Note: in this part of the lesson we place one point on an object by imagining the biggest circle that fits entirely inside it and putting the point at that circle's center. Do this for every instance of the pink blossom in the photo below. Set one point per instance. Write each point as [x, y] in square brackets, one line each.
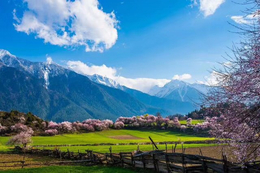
[189, 122]
[88, 127]
[51, 132]
[23, 138]
[183, 128]
[65, 126]
[19, 127]
[119, 125]
[53, 125]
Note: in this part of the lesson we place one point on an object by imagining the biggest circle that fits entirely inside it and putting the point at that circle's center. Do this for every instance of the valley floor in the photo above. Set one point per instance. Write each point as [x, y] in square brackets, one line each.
[118, 140]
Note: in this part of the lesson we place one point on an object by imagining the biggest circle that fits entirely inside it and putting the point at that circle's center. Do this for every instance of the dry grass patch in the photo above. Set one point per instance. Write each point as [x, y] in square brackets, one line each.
[29, 159]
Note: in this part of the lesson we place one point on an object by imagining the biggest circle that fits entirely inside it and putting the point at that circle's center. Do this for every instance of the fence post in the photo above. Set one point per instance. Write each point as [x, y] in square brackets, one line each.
[60, 155]
[68, 151]
[111, 156]
[132, 159]
[175, 147]
[165, 147]
[156, 169]
[167, 163]
[225, 165]
[143, 160]
[121, 159]
[23, 164]
[203, 163]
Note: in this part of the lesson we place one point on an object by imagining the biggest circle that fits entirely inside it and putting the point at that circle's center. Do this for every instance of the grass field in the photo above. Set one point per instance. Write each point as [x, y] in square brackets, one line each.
[194, 122]
[70, 169]
[125, 148]
[113, 136]
[4, 148]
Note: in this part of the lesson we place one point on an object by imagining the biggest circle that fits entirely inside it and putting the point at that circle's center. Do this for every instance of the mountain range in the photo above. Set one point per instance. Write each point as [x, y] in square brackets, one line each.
[56, 93]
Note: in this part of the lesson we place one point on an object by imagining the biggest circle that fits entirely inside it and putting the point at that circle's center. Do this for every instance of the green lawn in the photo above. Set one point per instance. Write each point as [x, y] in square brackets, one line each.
[70, 169]
[105, 137]
[194, 122]
[4, 148]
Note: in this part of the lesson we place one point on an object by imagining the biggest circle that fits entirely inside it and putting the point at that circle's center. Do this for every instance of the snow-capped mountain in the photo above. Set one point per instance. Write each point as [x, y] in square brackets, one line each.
[180, 90]
[55, 93]
[171, 86]
[204, 89]
[40, 70]
[105, 81]
[174, 90]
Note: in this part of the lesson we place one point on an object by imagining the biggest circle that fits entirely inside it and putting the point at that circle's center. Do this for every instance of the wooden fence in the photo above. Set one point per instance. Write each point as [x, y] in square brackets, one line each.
[157, 161]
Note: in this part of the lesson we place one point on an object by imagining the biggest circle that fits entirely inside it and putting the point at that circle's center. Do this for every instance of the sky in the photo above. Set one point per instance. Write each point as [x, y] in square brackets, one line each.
[138, 43]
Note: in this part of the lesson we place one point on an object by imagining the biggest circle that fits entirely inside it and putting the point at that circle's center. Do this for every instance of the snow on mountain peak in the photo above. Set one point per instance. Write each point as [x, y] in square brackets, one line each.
[49, 60]
[4, 53]
[104, 81]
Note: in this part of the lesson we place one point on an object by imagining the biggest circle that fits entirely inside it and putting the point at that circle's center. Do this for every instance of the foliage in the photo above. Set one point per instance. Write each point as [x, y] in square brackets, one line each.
[239, 90]
[51, 128]
[23, 138]
[119, 125]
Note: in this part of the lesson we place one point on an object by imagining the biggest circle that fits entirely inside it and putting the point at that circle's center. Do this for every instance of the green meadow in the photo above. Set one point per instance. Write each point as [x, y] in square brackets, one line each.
[125, 148]
[194, 122]
[115, 137]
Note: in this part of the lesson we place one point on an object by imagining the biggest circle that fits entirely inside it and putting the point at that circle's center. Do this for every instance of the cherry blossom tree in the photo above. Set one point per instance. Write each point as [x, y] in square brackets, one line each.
[239, 90]
[119, 125]
[22, 139]
[189, 122]
[51, 132]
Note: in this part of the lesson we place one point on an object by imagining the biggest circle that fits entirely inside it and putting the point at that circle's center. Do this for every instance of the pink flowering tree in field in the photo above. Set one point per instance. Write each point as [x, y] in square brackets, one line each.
[88, 127]
[239, 91]
[108, 123]
[119, 125]
[22, 139]
[53, 125]
[66, 127]
[19, 127]
[189, 122]
[51, 132]
[183, 128]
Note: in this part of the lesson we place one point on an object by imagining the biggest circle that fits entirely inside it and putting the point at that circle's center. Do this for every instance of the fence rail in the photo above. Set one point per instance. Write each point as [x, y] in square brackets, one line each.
[157, 161]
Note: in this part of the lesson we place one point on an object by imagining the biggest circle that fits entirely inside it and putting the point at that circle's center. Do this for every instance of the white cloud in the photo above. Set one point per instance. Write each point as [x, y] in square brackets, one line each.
[248, 19]
[213, 80]
[141, 84]
[69, 23]
[182, 77]
[207, 7]
[82, 68]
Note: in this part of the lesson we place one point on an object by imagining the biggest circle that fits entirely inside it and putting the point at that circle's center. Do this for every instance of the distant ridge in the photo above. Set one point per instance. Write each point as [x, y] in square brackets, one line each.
[53, 92]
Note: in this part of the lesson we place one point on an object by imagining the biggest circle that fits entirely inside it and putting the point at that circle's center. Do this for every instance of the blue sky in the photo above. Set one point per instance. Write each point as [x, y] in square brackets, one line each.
[145, 42]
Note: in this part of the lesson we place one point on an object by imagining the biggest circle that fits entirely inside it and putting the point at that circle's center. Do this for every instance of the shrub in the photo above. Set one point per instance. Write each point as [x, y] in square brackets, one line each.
[119, 125]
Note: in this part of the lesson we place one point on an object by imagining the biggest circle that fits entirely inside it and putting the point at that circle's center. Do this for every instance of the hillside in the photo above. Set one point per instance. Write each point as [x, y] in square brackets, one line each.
[55, 93]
